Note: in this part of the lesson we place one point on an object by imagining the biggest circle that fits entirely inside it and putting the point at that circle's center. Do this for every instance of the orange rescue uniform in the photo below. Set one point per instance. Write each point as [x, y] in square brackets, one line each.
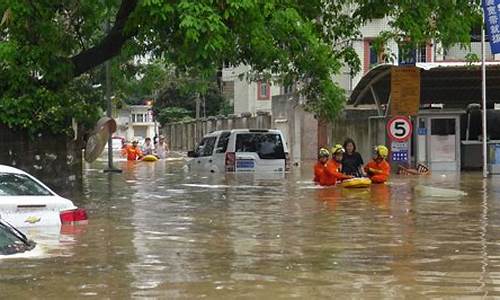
[383, 168]
[319, 170]
[132, 153]
[332, 173]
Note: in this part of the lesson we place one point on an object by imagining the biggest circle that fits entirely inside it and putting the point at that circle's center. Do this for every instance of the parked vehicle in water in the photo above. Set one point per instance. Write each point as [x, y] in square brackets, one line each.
[13, 241]
[26, 202]
[241, 150]
[117, 143]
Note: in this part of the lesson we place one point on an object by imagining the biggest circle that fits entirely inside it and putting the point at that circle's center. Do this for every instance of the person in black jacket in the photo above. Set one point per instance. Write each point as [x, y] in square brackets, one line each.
[352, 163]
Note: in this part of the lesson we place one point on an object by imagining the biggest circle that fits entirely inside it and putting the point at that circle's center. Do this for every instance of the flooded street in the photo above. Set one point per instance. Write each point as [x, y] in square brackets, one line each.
[157, 230]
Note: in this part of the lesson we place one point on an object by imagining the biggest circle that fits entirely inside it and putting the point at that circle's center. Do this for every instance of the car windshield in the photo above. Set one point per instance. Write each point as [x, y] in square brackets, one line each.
[12, 242]
[266, 145]
[12, 184]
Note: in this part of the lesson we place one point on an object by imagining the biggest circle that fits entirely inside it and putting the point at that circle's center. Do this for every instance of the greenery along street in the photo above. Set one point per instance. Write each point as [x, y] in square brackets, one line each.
[50, 51]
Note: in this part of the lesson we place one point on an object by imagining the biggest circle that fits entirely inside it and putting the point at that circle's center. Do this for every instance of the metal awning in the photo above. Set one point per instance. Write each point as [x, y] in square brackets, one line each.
[454, 84]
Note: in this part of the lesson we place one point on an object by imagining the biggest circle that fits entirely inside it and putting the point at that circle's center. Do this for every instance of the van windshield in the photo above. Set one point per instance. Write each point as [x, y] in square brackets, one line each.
[266, 145]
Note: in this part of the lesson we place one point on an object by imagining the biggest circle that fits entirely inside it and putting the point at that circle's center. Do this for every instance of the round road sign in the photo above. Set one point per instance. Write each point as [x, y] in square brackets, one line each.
[399, 129]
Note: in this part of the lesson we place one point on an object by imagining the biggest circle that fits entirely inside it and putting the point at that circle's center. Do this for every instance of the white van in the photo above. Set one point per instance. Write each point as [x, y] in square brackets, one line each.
[241, 150]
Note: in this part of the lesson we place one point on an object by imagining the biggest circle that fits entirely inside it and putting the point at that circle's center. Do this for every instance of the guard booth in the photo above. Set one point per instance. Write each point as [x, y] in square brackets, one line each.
[437, 139]
[441, 137]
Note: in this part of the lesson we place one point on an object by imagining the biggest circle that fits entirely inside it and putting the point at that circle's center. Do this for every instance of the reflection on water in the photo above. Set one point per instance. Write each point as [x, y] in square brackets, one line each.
[157, 230]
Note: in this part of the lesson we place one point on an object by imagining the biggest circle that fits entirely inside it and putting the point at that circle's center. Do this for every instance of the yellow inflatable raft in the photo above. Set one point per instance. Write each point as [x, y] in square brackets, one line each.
[150, 158]
[357, 183]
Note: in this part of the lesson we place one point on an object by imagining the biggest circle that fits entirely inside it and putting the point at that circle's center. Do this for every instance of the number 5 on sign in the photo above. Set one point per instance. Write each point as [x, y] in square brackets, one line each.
[399, 129]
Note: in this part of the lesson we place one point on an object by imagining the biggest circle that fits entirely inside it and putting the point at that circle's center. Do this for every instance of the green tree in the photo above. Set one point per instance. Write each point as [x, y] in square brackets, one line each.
[49, 49]
[179, 95]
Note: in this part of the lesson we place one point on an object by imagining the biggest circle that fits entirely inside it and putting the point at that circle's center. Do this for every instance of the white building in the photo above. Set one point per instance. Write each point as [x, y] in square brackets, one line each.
[302, 130]
[256, 96]
[135, 122]
[247, 96]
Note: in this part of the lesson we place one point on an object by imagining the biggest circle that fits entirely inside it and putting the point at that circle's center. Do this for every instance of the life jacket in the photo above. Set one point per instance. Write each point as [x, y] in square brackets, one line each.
[382, 166]
[332, 173]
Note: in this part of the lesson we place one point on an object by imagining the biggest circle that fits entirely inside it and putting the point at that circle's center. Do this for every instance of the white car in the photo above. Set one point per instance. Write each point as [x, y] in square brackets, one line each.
[241, 150]
[27, 202]
[117, 144]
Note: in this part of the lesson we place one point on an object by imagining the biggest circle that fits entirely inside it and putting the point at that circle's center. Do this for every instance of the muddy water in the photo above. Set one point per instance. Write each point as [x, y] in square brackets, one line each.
[157, 231]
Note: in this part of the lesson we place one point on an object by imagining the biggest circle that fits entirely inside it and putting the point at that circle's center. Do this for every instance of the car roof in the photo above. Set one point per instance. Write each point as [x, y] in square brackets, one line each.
[9, 169]
[256, 130]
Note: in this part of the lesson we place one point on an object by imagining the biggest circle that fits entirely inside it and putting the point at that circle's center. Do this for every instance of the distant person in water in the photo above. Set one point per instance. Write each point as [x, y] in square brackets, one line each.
[352, 162]
[161, 148]
[147, 148]
[132, 152]
[378, 169]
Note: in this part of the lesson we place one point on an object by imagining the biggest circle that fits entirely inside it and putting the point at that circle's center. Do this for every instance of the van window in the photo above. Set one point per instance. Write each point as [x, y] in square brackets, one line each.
[206, 146]
[223, 141]
[266, 145]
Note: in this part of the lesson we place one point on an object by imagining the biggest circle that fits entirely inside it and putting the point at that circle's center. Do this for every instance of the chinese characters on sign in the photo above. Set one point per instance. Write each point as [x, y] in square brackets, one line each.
[401, 156]
[492, 18]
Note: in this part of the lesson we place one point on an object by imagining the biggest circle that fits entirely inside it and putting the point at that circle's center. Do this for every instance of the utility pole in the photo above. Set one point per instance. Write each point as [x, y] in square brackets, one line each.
[204, 106]
[109, 114]
[483, 88]
[198, 103]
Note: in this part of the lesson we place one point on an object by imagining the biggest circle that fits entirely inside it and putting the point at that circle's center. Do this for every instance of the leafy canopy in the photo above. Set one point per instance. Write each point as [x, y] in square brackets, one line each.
[49, 50]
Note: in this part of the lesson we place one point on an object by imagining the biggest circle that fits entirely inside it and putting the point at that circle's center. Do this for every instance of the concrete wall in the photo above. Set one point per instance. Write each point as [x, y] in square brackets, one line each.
[360, 125]
[183, 136]
[54, 159]
[298, 126]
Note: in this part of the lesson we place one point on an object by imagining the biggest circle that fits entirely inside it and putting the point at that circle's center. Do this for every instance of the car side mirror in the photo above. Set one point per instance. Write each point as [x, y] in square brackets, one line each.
[219, 150]
[192, 154]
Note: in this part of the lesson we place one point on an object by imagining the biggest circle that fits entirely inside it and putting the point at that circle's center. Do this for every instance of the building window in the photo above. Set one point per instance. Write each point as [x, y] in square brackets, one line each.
[140, 118]
[373, 54]
[263, 90]
[371, 57]
[412, 56]
[287, 89]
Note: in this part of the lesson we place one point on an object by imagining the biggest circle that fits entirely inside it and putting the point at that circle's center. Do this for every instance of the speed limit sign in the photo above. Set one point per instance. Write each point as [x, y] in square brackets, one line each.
[399, 129]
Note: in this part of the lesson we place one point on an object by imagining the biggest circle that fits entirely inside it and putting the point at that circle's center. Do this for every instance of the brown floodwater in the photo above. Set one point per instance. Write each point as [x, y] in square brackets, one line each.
[158, 231]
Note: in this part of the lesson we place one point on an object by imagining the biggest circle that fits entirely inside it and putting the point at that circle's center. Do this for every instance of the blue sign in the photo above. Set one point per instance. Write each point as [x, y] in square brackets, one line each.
[492, 17]
[422, 131]
[399, 156]
[245, 164]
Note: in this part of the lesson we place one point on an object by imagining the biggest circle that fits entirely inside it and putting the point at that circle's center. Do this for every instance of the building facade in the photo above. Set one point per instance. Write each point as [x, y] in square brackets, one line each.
[135, 122]
[245, 95]
[254, 96]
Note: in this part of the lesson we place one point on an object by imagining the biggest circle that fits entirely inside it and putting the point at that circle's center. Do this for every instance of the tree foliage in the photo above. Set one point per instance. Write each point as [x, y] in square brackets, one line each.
[49, 50]
[179, 96]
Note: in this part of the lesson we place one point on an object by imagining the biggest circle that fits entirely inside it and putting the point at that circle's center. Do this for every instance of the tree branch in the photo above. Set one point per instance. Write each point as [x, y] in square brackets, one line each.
[110, 46]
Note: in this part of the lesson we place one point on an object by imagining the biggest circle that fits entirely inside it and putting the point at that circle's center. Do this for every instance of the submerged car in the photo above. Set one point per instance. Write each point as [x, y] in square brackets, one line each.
[25, 202]
[241, 150]
[13, 241]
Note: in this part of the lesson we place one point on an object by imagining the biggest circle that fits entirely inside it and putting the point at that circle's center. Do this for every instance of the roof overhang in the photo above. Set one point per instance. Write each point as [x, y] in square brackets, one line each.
[454, 84]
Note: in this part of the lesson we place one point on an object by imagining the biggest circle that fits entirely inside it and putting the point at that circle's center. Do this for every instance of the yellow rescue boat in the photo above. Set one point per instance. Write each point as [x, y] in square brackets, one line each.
[357, 183]
[150, 158]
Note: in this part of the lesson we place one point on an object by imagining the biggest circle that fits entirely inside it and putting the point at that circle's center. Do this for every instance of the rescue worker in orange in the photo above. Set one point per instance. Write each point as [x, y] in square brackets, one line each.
[319, 167]
[332, 172]
[132, 152]
[378, 169]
